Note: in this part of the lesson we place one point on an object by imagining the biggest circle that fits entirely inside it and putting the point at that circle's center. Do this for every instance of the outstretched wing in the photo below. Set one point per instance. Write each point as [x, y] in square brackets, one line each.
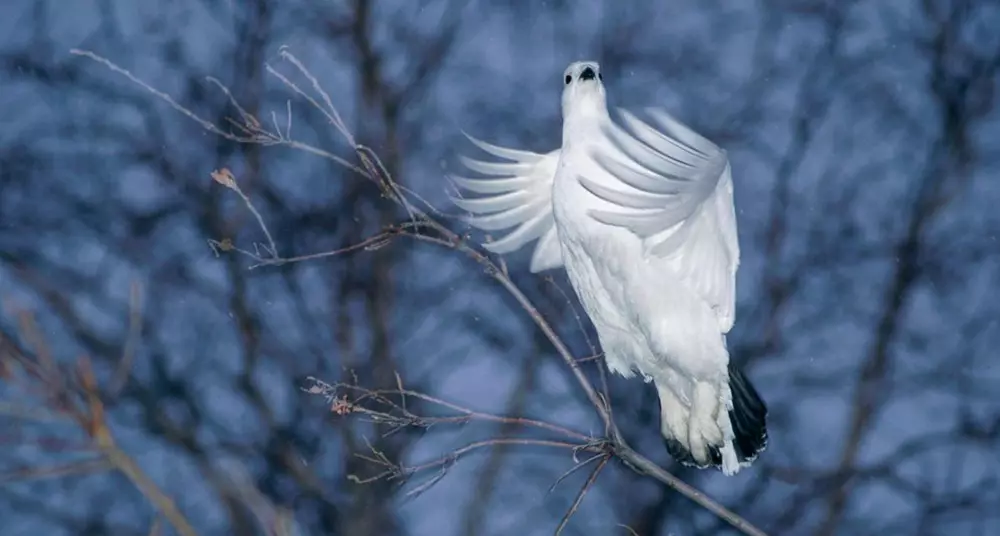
[673, 188]
[517, 193]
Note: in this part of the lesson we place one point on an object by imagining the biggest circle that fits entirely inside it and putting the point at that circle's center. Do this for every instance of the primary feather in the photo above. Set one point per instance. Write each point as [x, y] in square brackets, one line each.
[520, 197]
[641, 215]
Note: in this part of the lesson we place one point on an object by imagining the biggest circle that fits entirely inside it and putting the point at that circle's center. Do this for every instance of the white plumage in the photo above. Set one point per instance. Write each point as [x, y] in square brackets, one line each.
[641, 215]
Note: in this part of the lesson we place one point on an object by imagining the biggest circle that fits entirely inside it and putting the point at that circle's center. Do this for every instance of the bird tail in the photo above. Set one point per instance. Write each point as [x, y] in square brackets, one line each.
[748, 419]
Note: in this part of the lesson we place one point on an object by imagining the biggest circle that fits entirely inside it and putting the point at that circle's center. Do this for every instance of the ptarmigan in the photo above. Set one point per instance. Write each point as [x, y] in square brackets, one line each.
[641, 215]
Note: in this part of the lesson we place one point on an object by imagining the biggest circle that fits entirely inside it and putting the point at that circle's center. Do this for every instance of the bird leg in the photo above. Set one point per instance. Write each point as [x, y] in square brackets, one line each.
[703, 430]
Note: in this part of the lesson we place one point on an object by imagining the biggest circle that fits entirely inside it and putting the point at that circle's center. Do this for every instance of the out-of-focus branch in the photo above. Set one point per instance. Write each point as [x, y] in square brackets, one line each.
[476, 510]
[810, 111]
[77, 397]
[424, 227]
[946, 172]
[73, 397]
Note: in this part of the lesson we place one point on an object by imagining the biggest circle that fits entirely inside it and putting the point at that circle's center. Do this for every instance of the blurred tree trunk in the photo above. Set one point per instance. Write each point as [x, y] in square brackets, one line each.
[372, 509]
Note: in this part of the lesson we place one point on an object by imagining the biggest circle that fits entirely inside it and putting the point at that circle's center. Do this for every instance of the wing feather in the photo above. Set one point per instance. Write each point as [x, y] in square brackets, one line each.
[505, 201]
[524, 233]
[639, 200]
[518, 195]
[507, 218]
[492, 186]
[496, 169]
[640, 179]
[505, 152]
[673, 188]
[548, 252]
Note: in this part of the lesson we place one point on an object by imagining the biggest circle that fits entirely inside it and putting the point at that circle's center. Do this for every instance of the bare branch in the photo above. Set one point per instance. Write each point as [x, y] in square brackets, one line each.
[132, 341]
[583, 493]
[399, 414]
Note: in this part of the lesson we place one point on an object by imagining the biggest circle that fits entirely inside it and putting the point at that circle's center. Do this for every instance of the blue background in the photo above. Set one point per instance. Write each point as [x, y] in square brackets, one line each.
[864, 142]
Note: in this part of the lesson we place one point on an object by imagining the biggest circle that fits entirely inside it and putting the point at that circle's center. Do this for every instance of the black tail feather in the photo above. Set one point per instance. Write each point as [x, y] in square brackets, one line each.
[749, 420]
[749, 416]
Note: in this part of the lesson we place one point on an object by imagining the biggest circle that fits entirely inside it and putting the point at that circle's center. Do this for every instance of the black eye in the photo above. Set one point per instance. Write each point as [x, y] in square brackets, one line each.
[600, 76]
[568, 79]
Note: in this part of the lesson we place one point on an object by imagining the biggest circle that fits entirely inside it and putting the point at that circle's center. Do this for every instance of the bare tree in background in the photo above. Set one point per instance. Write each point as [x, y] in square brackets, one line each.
[863, 136]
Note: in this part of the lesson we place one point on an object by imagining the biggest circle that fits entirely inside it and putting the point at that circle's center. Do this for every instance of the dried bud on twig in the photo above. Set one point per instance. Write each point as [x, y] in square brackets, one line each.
[341, 406]
[224, 177]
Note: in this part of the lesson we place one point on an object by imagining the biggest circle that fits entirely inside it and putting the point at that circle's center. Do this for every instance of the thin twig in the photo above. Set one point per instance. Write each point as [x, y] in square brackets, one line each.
[392, 471]
[629, 529]
[331, 392]
[84, 467]
[583, 493]
[227, 179]
[575, 468]
[605, 391]
[131, 341]
[206, 124]
[330, 109]
[462, 451]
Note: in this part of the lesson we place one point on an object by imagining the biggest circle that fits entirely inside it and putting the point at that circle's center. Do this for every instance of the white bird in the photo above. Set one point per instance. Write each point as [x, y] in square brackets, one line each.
[641, 215]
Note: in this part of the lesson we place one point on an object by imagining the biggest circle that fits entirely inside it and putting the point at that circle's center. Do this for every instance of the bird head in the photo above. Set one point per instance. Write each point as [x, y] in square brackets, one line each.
[583, 91]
